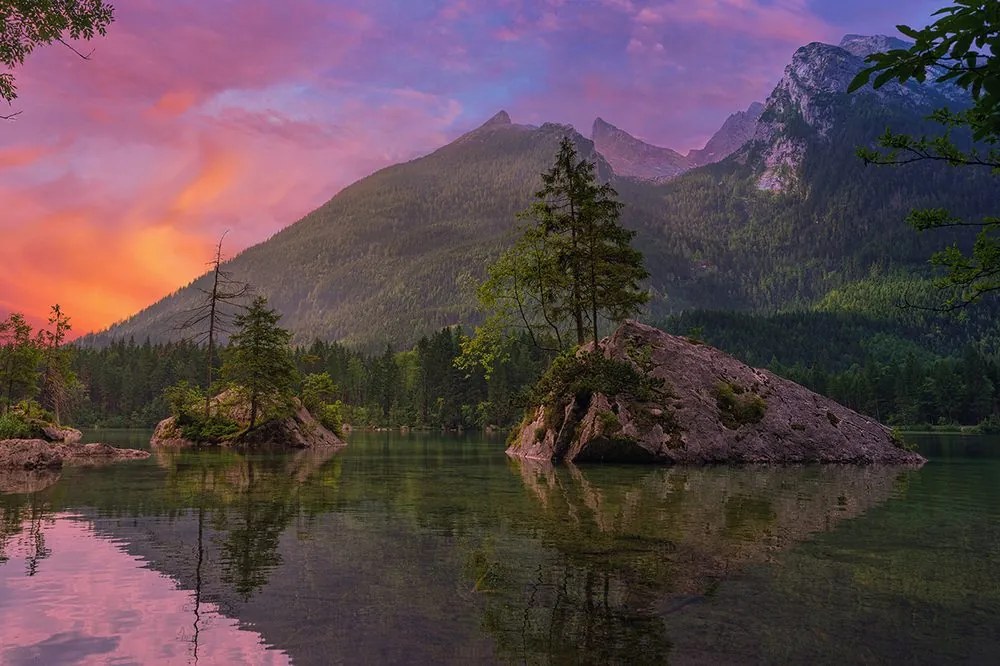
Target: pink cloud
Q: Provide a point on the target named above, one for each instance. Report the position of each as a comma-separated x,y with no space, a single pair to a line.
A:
194,117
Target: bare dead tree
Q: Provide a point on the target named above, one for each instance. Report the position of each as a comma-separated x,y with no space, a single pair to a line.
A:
214,314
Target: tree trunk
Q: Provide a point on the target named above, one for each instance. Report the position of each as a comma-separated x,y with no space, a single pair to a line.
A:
211,331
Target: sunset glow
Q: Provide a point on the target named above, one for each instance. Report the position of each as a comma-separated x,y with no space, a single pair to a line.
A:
192,118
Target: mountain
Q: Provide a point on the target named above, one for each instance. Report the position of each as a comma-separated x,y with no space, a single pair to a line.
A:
734,133
396,254
780,223
635,158
630,156
811,98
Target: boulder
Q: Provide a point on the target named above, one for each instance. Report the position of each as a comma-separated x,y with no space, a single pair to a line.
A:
708,407
30,454
67,435
37,454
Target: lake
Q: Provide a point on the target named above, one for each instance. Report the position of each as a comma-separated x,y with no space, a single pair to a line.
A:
427,549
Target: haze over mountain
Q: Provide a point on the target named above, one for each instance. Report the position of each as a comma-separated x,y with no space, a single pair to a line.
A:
630,156
635,158
790,216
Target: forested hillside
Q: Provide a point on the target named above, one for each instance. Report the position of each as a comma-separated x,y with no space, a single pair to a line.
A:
778,225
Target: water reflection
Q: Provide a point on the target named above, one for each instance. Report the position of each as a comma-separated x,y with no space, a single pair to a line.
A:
96,604
24,482
422,549
629,554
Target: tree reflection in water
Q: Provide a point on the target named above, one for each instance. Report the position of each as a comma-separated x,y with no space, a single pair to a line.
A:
626,555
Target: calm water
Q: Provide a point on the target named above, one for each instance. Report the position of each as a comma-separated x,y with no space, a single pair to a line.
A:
429,549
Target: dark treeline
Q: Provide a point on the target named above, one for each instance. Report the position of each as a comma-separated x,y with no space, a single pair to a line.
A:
916,368
904,373
418,387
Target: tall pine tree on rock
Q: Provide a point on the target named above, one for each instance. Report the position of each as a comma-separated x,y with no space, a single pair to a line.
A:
572,269
258,360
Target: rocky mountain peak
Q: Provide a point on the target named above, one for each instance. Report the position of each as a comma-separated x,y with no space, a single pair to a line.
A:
863,46
633,157
736,131
813,88
501,118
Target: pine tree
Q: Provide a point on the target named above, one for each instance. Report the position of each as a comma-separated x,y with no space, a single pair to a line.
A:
572,266
57,377
19,358
258,360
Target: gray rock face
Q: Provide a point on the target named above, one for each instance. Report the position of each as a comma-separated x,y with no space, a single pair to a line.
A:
712,409
634,158
863,46
808,97
734,133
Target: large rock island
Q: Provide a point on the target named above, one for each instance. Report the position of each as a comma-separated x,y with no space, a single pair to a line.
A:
697,405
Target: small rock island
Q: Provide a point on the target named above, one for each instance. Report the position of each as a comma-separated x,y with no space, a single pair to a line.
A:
693,404
230,425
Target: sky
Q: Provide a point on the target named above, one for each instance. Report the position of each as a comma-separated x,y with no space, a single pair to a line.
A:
194,117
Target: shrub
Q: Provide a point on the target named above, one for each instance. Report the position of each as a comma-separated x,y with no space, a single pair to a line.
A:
609,422
213,430
332,418
738,407
14,426
584,374
900,441
990,425
183,399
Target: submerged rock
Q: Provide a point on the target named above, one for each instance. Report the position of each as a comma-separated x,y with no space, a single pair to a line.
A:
29,465
708,408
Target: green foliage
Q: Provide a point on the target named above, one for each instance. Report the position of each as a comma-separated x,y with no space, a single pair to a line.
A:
738,407
15,426
900,440
609,422
960,48
20,356
586,373
990,425
259,360
318,390
213,430
29,24
58,383
331,416
184,399
571,268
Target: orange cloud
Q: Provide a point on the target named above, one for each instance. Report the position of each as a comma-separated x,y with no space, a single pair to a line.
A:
214,179
98,275
173,104
17,156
